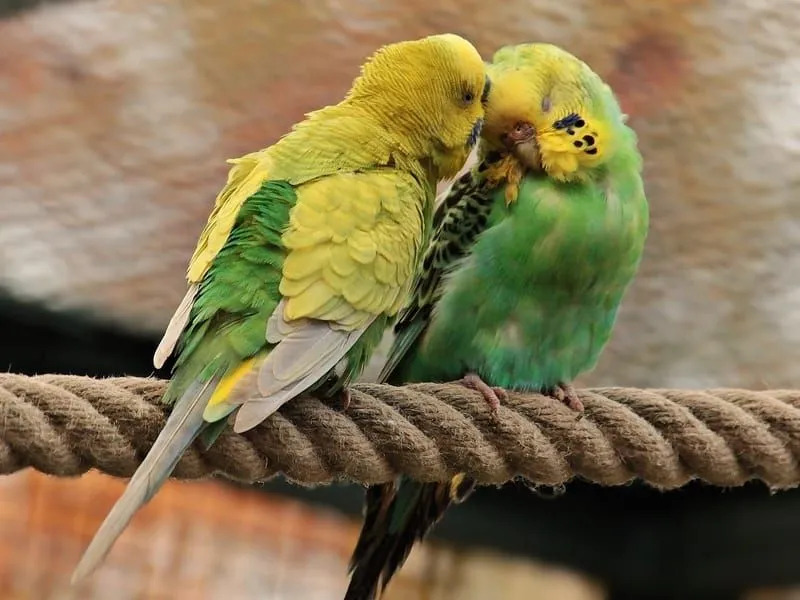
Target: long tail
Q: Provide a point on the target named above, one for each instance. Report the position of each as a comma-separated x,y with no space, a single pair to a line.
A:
180,430
396,517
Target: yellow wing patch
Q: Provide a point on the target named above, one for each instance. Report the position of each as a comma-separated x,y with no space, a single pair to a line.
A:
353,241
244,179
216,408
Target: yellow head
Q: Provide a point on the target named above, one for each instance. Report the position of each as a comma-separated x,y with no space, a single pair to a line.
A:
429,94
550,111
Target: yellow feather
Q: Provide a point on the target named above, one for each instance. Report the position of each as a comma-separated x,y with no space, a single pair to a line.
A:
387,249
355,320
366,213
308,302
341,262
340,312
342,224
399,301
362,247
391,203
294,287
367,273
224,388
377,300
385,271
296,239
336,281
310,217
304,262
358,288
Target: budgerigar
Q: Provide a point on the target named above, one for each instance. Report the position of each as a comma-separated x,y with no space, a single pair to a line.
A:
310,251
532,254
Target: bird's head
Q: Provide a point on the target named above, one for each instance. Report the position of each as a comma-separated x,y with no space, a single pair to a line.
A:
431,92
550,111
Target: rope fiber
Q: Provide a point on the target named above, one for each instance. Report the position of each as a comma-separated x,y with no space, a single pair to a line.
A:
65,425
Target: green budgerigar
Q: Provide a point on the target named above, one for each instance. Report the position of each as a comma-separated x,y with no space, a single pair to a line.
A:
533,251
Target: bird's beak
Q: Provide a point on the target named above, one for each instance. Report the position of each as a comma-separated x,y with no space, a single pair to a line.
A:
523,132
521,143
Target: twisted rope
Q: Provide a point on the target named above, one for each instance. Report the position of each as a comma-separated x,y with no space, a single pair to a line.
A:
65,425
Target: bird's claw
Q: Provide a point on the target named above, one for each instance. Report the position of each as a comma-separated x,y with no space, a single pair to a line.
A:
564,392
492,395
345,396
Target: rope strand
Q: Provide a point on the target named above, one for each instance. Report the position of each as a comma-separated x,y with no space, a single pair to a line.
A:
65,425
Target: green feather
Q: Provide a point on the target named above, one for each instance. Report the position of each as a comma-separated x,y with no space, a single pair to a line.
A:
228,320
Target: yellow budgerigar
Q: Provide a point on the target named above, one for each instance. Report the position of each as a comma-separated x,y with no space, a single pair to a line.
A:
309,252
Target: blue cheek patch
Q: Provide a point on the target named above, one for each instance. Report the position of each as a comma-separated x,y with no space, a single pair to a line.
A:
475,133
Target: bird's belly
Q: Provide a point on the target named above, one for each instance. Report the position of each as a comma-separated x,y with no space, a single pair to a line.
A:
539,343
530,312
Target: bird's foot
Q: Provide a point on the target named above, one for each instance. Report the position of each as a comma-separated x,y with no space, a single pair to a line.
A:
344,397
333,394
492,395
564,392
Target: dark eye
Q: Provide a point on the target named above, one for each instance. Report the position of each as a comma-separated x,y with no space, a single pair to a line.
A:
468,97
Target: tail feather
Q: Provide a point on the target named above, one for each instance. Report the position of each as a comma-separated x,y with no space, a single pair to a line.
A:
386,505
180,430
376,505
396,517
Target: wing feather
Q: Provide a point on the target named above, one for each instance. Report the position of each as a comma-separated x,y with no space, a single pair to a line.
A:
459,218
335,282
358,261
175,327
245,177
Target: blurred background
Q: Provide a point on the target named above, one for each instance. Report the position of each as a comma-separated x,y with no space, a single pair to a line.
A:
116,118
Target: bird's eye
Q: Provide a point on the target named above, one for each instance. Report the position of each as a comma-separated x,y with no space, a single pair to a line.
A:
468,97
